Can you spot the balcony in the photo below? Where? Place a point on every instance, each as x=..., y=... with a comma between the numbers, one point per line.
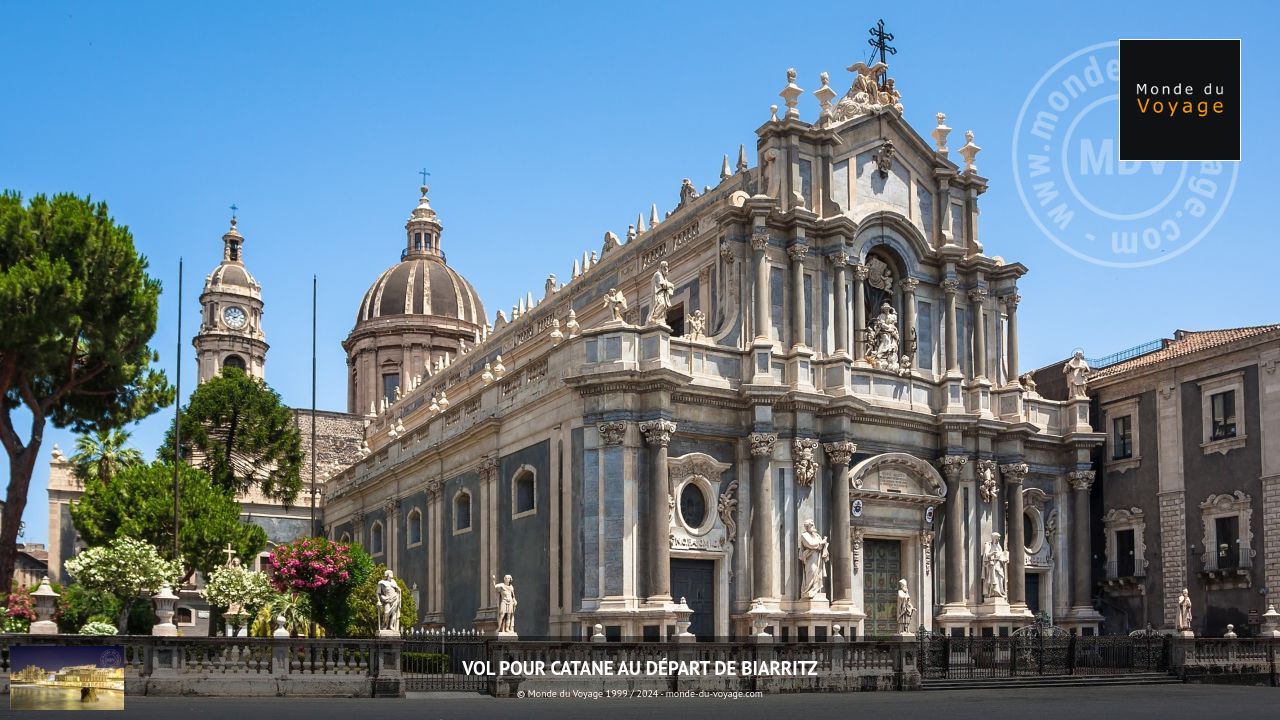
x=1228, y=568
x=1125, y=577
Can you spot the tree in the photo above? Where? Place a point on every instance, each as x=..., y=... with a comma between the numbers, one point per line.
x=138, y=504
x=101, y=453
x=327, y=573
x=78, y=312
x=235, y=587
x=242, y=435
x=126, y=568
x=364, y=606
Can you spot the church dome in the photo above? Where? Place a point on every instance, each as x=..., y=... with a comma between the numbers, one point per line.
x=229, y=274
x=422, y=286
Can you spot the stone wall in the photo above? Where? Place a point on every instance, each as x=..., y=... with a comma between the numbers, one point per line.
x=1173, y=551
x=338, y=438
x=1271, y=532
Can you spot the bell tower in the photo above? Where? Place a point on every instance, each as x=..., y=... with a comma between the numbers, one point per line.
x=231, y=315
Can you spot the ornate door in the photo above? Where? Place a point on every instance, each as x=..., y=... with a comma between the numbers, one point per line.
x=882, y=562
x=694, y=580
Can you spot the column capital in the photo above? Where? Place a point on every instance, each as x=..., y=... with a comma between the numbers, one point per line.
x=759, y=238
x=434, y=486
x=613, y=432
x=1014, y=472
x=1011, y=302
x=657, y=432
x=860, y=272
x=977, y=294
x=839, y=258
x=840, y=452
x=726, y=252
x=358, y=520
x=951, y=286
x=908, y=284
x=796, y=251
x=953, y=465
x=1081, y=479
x=762, y=443
x=806, y=468
x=488, y=469
x=391, y=506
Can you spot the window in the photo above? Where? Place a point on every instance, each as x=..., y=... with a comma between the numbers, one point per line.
x=675, y=320
x=417, y=241
x=184, y=616
x=390, y=381
x=693, y=505
x=1228, y=532
x=462, y=512
x=524, y=497
x=1223, y=406
x=1124, y=553
x=345, y=539
x=1122, y=438
x=414, y=527
x=1126, y=550
x=234, y=361
x=375, y=539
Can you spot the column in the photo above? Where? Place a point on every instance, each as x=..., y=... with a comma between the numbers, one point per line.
x=657, y=433
x=1013, y=475
x=859, y=312
x=944, y=212
x=976, y=297
x=952, y=467
x=391, y=533
x=951, y=287
x=1081, y=576
x=488, y=527
x=1011, y=310
x=909, y=339
x=760, y=241
x=840, y=453
x=796, y=252
x=840, y=260
x=763, y=544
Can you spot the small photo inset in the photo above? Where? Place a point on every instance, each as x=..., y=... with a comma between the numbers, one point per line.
x=54, y=677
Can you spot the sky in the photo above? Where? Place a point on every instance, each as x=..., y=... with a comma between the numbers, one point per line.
x=543, y=126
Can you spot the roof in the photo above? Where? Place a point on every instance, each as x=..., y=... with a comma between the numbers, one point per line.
x=1184, y=342
x=422, y=286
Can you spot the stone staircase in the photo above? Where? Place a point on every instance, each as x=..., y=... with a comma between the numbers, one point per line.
x=1040, y=681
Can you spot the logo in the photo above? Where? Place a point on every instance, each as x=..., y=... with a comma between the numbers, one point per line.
x=857, y=508
x=1082, y=196
x=110, y=658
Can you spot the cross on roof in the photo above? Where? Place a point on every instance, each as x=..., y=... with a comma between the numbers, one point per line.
x=423, y=172
x=879, y=42
x=233, y=210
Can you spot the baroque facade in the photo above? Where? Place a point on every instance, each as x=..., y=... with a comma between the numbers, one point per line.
x=769, y=406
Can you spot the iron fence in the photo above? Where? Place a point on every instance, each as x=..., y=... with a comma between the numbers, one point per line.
x=1041, y=654
x=434, y=660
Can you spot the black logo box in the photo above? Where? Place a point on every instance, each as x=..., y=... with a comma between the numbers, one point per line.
x=1161, y=77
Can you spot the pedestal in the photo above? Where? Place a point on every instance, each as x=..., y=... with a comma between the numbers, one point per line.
x=955, y=616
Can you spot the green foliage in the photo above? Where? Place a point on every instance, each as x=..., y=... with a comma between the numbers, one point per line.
x=237, y=587
x=126, y=568
x=242, y=435
x=297, y=617
x=98, y=628
x=138, y=503
x=424, y=662
x=78, y=312
x=364, y=606
x=326, y=573
x=79, y=605
x=100, y=454
x=10, y=624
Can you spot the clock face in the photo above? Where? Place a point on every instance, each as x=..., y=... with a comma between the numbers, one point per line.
x=234, y=317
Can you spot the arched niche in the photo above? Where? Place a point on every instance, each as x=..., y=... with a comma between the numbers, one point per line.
x=898, y=474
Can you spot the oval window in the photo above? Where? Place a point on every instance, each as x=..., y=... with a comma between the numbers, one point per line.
x=693, y=506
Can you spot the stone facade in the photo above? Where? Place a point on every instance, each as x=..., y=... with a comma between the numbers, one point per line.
x=818, y=337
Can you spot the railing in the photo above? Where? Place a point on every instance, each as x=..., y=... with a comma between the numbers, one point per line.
x=1133, y=352
x=1228, y=559
x=1132, y=568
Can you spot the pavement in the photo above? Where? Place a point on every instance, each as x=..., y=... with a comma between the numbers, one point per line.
x=1160, y=702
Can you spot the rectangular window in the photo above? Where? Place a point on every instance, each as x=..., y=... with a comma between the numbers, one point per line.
x=924, y=335
x=1122, y=438
x=1224, y=415
x=1228, y=536
x=390, y=382
x=1124, y=553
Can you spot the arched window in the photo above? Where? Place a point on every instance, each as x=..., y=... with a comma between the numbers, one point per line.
x=524, y=492
x=461, y=512
x=375, y=538
x=234, y=361
x=345, y=539
x=183, y=616
x=414, y=527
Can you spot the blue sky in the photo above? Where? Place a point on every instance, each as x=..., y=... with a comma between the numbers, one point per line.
x=543, y=126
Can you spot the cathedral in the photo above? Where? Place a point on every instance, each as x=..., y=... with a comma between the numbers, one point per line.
x=778, y=406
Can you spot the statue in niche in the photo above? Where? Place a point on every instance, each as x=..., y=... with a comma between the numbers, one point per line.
x=616, y=302
x=663, y=290
x=1184, y=611
x=815, y=555
x=1077, y=372
x=906, y=609
x=995, y=561
x=506, y=604
x=882, y=351
x=388, y=605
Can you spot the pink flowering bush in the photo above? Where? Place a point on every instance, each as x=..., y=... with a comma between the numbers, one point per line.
x=325, y=572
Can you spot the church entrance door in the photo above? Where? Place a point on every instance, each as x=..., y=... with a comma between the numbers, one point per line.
x=882, y=560
x=694, y=580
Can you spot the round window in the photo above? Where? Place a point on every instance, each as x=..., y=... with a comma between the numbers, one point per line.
x=693, y=506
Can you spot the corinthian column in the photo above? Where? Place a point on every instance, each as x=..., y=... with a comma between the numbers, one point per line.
x=1013, y=475
x=840, y=261
x=1081, y=568
x=1011, y=310
x=951, y=287
x=976, y=297
x=840, y=453
x=860, y=273
x=952, y=467
x=909, y=286
x=796, y=252
x=657, y=433
x=763, y=543
x=760, y=241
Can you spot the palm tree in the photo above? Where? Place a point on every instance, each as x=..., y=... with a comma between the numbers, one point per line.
x=101, y=454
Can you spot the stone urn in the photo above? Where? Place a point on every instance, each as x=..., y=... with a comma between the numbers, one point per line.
x=164, y=602
x=46, y=603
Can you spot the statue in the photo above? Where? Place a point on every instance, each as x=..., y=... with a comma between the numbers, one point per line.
x=883, y=349
x=697, y=322
x=995, y=559
x=906, y=609
x=1028, y=382
x=814, y=554
x=1077, y=372
x=1184, y=611
x=617, y=304
x=866, y=95
x=388, y=598
x=506, y=605
x=989, y=488
x=663, y=289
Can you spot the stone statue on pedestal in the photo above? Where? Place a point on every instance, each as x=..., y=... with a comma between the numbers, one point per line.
x=814, y=554
x=663, y=290
x=1077, y=372
x=388, y=605
x=883, y=352
x=506, y=605
x=617, y=304
x=1184, y=611
x=906, y=609
x=995, y=560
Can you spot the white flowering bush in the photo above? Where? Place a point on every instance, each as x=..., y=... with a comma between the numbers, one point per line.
x=127, y=568
x=238, y=587
x=98, y=628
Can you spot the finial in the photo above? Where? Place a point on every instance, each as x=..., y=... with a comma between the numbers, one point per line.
x=969, y=152
x=825, y=95
x=631, y=233
x=640, y=228
x=725, y=174
x=233, y=214
x=773, y=113
x=653, y=215
x=423, y=172
x=940, y=134
x=791, y=94
x=742, y=158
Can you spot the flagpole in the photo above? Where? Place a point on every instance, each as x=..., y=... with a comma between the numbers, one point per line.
x=313, y=406
x=177, y=418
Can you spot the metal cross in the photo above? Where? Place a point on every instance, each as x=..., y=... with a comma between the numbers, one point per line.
x=423, y=172
x=229, y=551
x=233, y=210
x=879, y=42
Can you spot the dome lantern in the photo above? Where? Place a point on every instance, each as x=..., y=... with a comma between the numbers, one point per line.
x=423, y=230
